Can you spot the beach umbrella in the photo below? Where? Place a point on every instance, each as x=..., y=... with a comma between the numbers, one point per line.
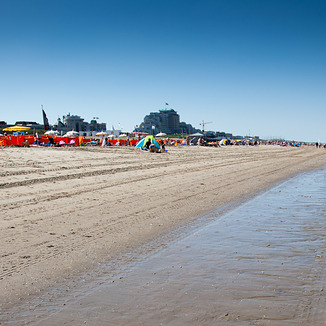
x=17, y=128
x=197, y=134
x=123, y=136
x=102, y=133
x=71, y=133
x=139, y=133
x=111, y=136
x=51, y=133
x=161, y=134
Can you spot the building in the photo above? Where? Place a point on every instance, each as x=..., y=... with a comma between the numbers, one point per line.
x=220, y=134
x=76, y=123
x=167, y=121
x=31, y=124
x=96, y=126
x=3, y=124
x=187, y=128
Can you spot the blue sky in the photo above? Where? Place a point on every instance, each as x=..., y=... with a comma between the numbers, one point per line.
x=246, y=66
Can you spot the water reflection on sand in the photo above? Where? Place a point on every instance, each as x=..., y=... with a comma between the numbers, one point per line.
x=262, y=263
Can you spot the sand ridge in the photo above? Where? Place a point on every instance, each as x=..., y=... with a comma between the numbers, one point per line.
x=63, y=210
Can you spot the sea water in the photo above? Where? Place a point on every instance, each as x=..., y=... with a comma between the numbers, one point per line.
x=262, y=263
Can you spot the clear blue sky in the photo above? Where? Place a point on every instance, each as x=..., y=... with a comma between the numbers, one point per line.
x=242, y=64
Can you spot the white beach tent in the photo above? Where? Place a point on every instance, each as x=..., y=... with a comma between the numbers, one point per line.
x=51, y=133
x=101, y=133
x=160, y=134
x=71, y=133
x=197, y=134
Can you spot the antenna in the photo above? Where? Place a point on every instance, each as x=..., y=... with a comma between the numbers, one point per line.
x=203, y=123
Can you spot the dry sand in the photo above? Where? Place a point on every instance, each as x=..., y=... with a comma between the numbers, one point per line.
x=63, y=210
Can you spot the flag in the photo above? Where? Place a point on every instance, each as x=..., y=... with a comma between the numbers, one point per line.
x=45, y=121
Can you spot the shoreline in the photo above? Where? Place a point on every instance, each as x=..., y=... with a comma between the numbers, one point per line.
x=67, y=210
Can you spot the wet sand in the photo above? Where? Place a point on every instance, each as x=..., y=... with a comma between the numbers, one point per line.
x=65, y=211
x=262, y=263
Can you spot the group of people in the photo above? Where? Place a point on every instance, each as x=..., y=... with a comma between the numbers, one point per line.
x=319, y=145
x=153, y=148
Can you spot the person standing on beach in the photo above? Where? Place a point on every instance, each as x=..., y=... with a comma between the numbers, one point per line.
x=148, y=143
x=163, y=146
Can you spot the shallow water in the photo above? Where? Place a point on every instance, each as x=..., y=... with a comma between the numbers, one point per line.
x=262, y=263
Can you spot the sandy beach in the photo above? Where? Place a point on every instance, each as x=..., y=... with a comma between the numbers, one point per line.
x=64, y=210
